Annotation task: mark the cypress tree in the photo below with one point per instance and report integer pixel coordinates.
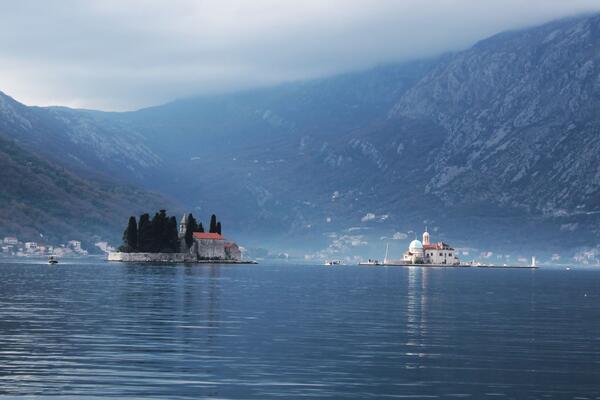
(213, 224)
(144, 233)
(130, 236)
(160, 232)
(171, 233)
(200, 228)
(218, 230)
(154, 237)
(164, 236)
(192, 226)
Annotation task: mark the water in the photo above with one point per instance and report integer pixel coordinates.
(269, 331)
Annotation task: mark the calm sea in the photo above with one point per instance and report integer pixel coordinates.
(290, 332)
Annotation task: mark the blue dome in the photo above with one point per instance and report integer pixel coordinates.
(416, 244)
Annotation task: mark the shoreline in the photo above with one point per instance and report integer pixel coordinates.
(168, 258)
(449, 266)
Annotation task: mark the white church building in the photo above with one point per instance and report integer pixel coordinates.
(430, 253)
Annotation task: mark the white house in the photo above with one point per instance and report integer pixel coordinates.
(11, 240)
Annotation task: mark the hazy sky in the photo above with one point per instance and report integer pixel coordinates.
(117, 55)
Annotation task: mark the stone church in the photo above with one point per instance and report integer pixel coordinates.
(208, 246)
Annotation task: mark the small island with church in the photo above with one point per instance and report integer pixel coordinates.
(162, 239)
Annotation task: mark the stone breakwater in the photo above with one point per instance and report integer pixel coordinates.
(168, 258)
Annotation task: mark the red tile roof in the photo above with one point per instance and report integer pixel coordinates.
(437, 246)
(204, 235)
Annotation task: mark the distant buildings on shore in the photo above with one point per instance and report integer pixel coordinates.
(12, 246)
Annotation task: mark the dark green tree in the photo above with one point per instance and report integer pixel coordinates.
(160, 232)
(200, 228)
(192, 226)
(144, 233)
(130, 236)
(218, 230)
(213, 224)
(157, 235)
(172, 244)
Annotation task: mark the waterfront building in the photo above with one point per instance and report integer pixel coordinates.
(75, 245)
(207, 245)
(425, 252)
(233, 252)
(104, 246)
(31, 247)
(11, 240)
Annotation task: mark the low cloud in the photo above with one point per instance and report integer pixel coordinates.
(399, 236)
(374, 217)
(368, 217)
(111, 54)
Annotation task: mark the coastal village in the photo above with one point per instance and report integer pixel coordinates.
(13, 247)
(161, 239)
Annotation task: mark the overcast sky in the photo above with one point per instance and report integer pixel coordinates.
(120, 55)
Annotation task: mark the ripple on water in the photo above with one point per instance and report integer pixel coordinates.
(269, 331)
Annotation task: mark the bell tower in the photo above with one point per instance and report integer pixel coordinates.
(183, 226)
(425, 237)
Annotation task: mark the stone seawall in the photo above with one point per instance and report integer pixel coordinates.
(167, 258)
(150, 257)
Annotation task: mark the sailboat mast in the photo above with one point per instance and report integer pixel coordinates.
(387, 246)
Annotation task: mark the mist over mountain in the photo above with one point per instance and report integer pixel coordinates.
(494, 148)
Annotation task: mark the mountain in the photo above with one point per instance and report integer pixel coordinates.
(494, 148)
(257, 157)
(71, 174)
(43, 201)
(520, 123)
(520, 107)
(79, 139)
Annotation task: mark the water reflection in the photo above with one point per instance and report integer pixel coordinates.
(416, 309)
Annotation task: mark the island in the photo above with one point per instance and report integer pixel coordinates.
(161, 239)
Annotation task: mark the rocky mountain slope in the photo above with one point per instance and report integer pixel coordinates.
(498, 141)
(80, 139)
(521, 108)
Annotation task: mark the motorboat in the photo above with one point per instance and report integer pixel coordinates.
(370, 262)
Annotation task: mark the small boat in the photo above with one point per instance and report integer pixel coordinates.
(331, 263)
(52, 260)
(370, 262)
